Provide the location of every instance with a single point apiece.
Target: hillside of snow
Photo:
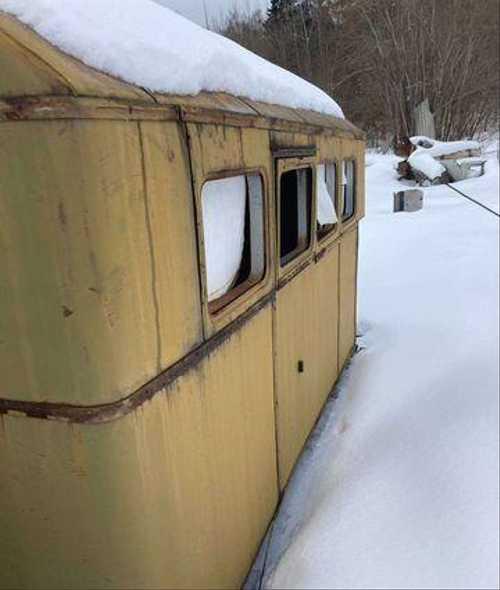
(151, 46)
(398, 487)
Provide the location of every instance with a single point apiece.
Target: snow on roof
(439, 148)
(151, 46)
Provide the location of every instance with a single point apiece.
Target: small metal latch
(300, 366)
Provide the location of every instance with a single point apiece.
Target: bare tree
(382, 59)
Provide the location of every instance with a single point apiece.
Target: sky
(194, 9)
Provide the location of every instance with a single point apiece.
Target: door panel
(306, 328)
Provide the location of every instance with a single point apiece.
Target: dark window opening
(295, 213)
(246, 256)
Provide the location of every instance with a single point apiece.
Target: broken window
(349, 182)
(326, 217)
(295, 213)
(233, 234)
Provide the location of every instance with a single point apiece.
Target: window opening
(326, 217)
(233, 232)
(295, 213)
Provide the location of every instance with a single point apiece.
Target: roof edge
(86, 82)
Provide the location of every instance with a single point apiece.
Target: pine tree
(280, 9)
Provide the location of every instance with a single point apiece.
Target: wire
(472, 200)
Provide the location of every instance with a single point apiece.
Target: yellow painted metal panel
(24, 74)
(177, 494)
(361, 178)
(280, 139)
(173, 237)
(218, 101)
(216, 151)
(273, 111)
(82, 292)
(348, 272)
(306, 330)
(339, 127)
(215, 148)
(327, 321)
(330, 148)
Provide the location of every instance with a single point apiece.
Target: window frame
(243, 291)
(284, 165)
(353, 215)
(303, 229)
(334, 228)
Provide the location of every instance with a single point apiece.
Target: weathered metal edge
(46, 108)
(108, 412)
(307, 151)
(43, 108)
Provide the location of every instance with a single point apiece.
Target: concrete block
(409, 201)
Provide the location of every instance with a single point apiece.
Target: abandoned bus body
(178, 299)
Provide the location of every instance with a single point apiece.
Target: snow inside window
(349, 182)
(326, 190)
(233, 233)
(295, 213)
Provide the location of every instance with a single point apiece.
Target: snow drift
(399, 486)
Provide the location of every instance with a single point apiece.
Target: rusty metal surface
(308, 151)
(47, 108)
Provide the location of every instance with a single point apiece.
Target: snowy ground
(398, 487)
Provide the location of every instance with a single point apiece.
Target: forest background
(381, 59)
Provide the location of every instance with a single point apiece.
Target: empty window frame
(349, 182)
(326, 191)
(233, 236)
(295, 213)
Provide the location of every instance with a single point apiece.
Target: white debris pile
(438, 162)
(426, 164)
(443, 149)
(151, 46)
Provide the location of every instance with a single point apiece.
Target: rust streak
(149, 230)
